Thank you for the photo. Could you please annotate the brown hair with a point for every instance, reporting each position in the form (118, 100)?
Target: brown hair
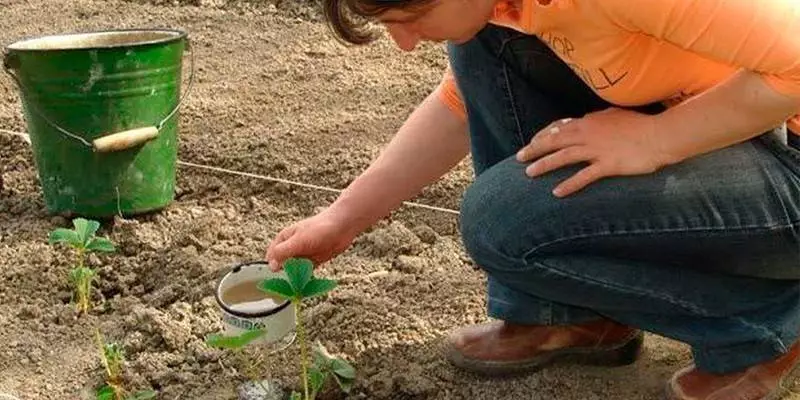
(348, 18)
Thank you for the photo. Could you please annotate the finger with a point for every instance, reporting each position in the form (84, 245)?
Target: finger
(280, 238)
(295, 246)
(580, 180)
(559, 159)
(555, 136)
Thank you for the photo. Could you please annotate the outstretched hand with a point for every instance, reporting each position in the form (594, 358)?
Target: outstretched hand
(318, 238)
(614, 142)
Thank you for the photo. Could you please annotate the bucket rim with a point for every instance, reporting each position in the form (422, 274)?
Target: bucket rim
(38, 44)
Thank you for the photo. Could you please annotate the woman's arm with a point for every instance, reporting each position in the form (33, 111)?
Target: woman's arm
(760, 37)
(737, 110)
(430, 143)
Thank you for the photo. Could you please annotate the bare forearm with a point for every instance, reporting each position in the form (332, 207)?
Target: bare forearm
(430, 143)
(735, 111)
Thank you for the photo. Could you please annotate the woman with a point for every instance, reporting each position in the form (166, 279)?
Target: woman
(632, 175)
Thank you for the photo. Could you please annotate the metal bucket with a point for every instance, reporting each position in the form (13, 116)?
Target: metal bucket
(102, 113)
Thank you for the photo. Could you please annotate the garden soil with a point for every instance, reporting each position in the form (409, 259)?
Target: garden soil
(274, 95)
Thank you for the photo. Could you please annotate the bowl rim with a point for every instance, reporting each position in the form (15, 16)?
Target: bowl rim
(245, 314)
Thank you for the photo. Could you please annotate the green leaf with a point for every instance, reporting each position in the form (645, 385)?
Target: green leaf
(234, 342)
(319, 287)
(343, 369)
(105, 393)
(322, 357)
(149, 394)
(277, 286)
(114, 353)
(85, 229)
(345, 384)
(343, 372)
(67, 236)
(101, 244)
(316, 378)
(320, 360)
(296, 396)
(300, 271)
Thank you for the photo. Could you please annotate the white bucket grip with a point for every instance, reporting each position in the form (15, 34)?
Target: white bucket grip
(125, 139)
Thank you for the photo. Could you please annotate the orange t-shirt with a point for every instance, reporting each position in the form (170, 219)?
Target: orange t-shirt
(633, 52)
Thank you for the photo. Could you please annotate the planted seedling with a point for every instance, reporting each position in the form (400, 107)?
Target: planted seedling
(301, 285)
(83, 241)
(113, 358)
(326, 366)
(237, 345)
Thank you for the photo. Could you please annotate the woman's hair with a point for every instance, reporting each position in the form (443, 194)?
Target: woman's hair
(348, 18)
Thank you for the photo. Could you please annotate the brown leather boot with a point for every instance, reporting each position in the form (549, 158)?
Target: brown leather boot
(760, 382)
(500, 348)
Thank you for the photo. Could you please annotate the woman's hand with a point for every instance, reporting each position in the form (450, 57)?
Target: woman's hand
(318, 238)
(614, 142)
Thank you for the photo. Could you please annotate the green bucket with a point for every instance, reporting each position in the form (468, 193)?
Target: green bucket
(102, 113)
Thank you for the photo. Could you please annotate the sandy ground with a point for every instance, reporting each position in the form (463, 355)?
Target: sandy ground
(275, 95)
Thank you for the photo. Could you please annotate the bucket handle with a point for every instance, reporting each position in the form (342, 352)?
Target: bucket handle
(119, 140)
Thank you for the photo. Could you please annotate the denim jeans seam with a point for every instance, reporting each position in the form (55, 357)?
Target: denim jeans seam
(782, 152)
(510, 97)
(506, 44)
(789, 225)
(735, 352)
(692, 308)
(504, 47)
(544, 316)
(769, 334)
(777, 345)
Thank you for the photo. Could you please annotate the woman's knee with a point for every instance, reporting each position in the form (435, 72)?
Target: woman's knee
(504, 214)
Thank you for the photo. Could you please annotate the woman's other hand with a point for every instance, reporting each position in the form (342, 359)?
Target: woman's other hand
(614, 142)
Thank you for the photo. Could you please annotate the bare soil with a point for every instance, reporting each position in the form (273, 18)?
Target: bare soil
(275, 95)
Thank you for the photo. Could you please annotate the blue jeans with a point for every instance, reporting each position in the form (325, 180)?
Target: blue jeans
(706, 252)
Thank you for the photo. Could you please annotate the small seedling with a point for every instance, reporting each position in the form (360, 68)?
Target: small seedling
(83, 241)
(301, 285)
(237, 344)
(326, 366)
(113, 358)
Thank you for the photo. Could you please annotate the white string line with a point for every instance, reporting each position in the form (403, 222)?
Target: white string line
(26, 138)
(306, 185)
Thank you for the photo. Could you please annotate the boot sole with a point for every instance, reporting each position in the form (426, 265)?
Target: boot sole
(780, 393)
(624, 353)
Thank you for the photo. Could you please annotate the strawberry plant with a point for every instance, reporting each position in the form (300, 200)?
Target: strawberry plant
(113, 358)
(83, 241)
(300, 285)
(325, 367)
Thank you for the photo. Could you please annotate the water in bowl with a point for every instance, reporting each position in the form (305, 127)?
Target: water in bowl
(247, 297)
